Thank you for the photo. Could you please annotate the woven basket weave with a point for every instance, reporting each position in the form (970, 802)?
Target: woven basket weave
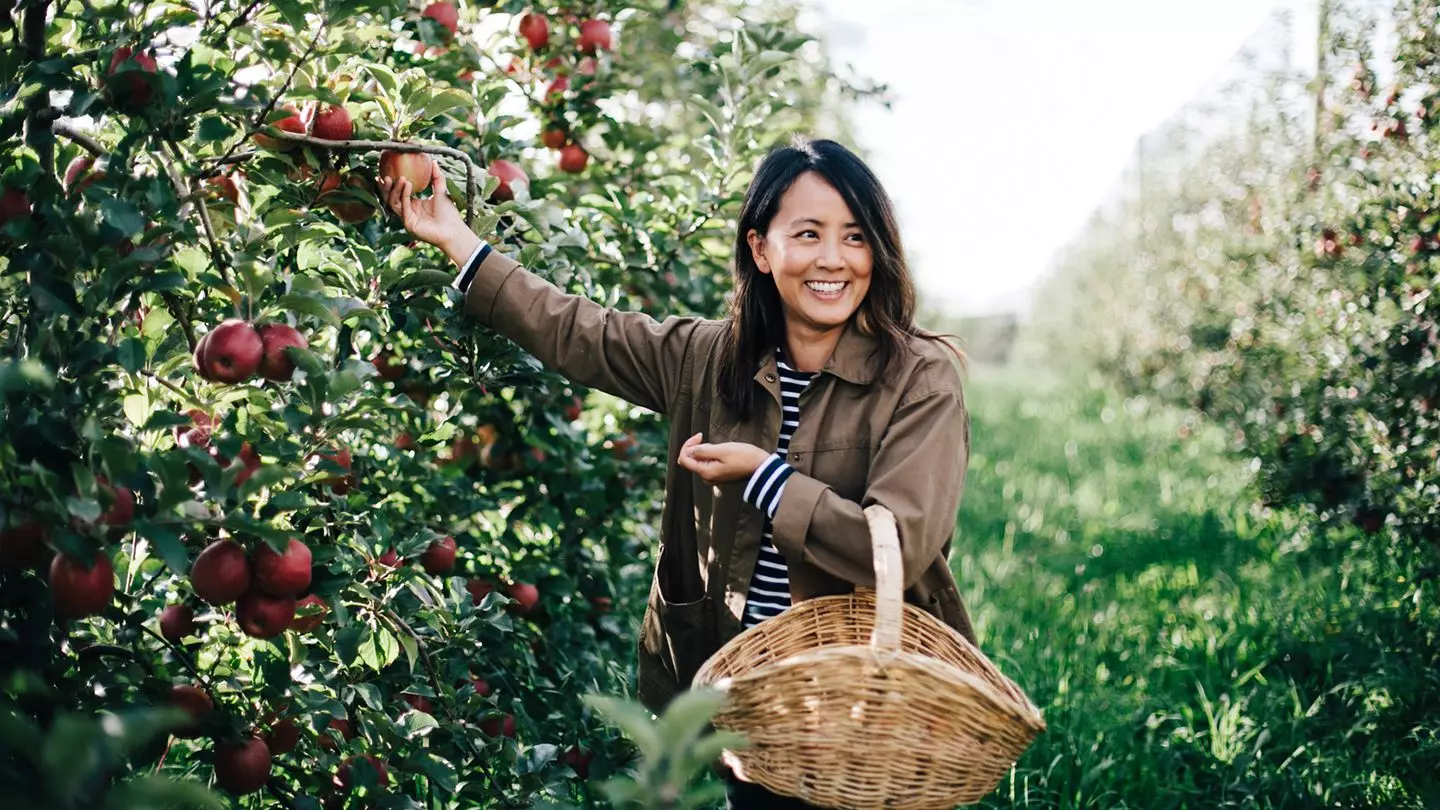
(848, 706)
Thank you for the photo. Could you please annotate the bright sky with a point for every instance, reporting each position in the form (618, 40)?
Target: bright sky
(1013, 119)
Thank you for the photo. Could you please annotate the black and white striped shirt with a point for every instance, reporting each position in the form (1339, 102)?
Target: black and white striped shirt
(770, 584)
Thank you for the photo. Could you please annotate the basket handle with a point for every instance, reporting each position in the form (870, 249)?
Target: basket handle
(889, 574)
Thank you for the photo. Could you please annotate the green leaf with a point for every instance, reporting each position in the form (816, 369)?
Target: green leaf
(423, 278)
(163, 282)
(384, 77)
(417, 724)
(633, 719)
(214, 128)
(441, 774)
(379, 649)
(535, 759)
(25, 375)
(122, 215)
(130, 354)
(137, 408)
(305, 305)
(169, 546)
(445, 101)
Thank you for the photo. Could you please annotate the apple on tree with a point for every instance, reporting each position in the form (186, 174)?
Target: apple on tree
(275, 338)
(595, 36)
(445, 15)
(573, 158)
(284, 574)
(535, 28)
(332, 122)
(345, 206)
(413, 166)
(130, 78)
(242, 766)
(81, 589)
(262, 615)
(310, 621)
(439, 557)
(14, 205)
(177, 622)
(196, 702)
(291, 123)
(230, 353)
(510, 176)
(221, 574)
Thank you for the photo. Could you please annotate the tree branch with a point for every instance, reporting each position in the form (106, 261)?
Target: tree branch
(193, 194)
(86, 142)
(37, 124)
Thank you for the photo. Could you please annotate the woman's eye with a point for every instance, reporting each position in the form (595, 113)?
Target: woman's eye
(857, 238)
(808, 234)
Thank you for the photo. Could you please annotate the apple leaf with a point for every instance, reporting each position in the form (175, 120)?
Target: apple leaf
(130, 354)
(169, 546)
(442, 774)
(25, 375)
(214, 128)
(445, 101)
(378, 649)
(123, 216)
(384, 77)
(305, 305)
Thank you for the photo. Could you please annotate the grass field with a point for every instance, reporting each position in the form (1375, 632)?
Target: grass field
(1187, 648)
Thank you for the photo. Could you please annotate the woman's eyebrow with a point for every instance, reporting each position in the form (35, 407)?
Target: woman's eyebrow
(814, 221)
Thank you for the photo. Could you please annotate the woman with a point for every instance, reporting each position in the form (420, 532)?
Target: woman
(816, 396)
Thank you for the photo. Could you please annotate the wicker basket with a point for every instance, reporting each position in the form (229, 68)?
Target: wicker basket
(847, 706)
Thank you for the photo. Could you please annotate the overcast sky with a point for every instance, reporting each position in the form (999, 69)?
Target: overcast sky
(1014, 118)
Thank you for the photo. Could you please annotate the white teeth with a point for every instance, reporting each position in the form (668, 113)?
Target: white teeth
(826, 286)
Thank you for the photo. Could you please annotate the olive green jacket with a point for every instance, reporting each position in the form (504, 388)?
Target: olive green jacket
(902, 441)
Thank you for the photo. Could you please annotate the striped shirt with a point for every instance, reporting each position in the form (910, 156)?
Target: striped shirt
(770, 584)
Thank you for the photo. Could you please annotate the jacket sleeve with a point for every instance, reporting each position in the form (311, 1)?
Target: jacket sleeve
(917, 473)
(627, 354)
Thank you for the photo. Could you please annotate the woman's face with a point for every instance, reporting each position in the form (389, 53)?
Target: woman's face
(816, 254)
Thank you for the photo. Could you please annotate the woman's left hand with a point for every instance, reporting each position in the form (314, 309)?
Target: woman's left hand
(722, 463)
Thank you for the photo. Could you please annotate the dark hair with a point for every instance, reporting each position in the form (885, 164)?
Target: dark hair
(756, 320)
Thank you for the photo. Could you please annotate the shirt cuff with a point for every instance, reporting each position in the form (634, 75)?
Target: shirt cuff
(767, 484)
(467, 270)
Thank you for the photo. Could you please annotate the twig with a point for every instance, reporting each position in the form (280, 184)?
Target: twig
(182, 314)
(370, 146)
(89, 144)
(193, 194)
(36, 122)
(172, 386)
(239, 20)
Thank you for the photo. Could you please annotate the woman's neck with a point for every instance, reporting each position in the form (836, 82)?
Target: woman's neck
(807, 349)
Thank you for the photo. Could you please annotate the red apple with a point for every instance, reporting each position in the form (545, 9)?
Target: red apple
(526, 596)
(232, 352)
(419, 703)
(79, 589)
(199, 435)
(387, 365)
(445, 14)
(535, 29)
(498, 726)
(198, 357)
(439, 558)
(339, 484)
(305, 624)
(14, 204)
(579, 760)
(79, 174)
(221, 574)
(23, 545)
(345, 207)
(249, 463)
(275, 338)
(481, 686)
(341, 725)
(119, 504)
(283, 574)
(291, 123)
(509, 175)
(405, 441)
(177, 622)
(574, 409)
(573, 158)
(283, 736)
(346, 776)
(413, 166)
(264, 616)
(332, 122)
(242, 766)
(196, 703)
(478, 588)
(223, 187)
(595, 36)
(557, 88)
(553, 137)
(389, 559)
(130, 89)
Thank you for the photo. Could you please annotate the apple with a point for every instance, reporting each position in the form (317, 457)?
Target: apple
(339, 484)
(601, 604)
(341, 725)
(264, 616)
(498, 726)
(445, 14)
(80, 589)
(439, 558)
(413, 166)
(595, 36)
(535, 29)
(573, 158)
(389, 559)
(305, 624)
(249, 462)
(480, 685)
(131, 89)
(117, 516)
(79, 174)
(283, 736)
(345, 207)
(198, 356)
(223, 187)
(14, 204)
(177, 622)
(478, 588)
(242, 766)
(199, 435)
(232, 352)
(347, 774)
(23, 545)
(419, 703)
(332, 122)
(283, 574)
(579, 760)
(553, 137)
(291, 123)
(387, 365)
(526, 596)
(557, 88)
(275, 338)
(221, 574)
(196, 702)
(620, 447)
(404, 441)
(574, 409)
(509, 175)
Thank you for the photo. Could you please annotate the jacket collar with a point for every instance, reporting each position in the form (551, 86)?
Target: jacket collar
(853, 360)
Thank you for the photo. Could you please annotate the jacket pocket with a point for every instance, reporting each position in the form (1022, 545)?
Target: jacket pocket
(685, 615)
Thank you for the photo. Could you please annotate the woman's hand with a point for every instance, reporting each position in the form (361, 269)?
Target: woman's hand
(721, 463)
(435, 220)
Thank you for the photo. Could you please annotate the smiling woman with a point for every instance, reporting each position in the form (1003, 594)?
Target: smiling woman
(817, 393)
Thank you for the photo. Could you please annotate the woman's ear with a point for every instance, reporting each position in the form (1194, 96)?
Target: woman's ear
(757, 250)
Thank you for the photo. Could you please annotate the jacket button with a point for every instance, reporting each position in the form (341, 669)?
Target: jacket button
(794, 456)
(769, 378)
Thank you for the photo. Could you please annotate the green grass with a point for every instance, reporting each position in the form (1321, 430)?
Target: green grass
(1187, 647)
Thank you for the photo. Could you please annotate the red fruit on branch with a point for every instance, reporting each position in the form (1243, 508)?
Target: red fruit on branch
(283, 736)
(439, 558)
(198, 435)
(445, 14)
(127, 80)
(339, 484)
(340, 724)
(347, 775)
(535, 29)
(292, 123)
(221, 574)
(242, 766)
(232, 352)
(595, 36)
(275, 338)
(282, 574)
(478, 588)
(509, 176)
(347, 209)
(262, 615)
(332, 122)
(305, 624)
(79, 589)
(526, 596)
(419, 703)
(413, 166)
(573, 158)
(196, 702)
(80, 173)
(177, 622)
(14, 205)
(388, 365)
(499, 726)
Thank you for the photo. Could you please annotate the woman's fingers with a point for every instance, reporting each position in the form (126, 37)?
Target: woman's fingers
(437, 181)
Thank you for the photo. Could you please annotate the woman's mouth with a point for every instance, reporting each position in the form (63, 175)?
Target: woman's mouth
(827, 290)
